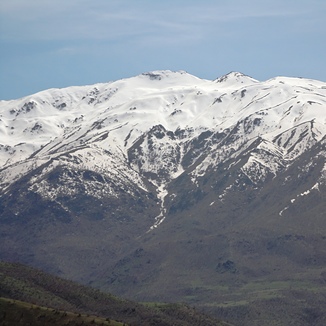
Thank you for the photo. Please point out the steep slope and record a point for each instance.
(166, 185)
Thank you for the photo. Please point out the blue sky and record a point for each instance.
(46, 43)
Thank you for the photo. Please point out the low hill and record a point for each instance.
(14, 312)
(53, 300)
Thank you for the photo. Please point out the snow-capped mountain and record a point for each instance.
(96, 169)
(138, 134)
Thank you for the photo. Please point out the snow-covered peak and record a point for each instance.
(235, 79)
(161, 74)
(161, 79)
(129, 108)
(140, 135)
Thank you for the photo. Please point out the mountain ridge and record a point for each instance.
(126, 185)
(89, 136)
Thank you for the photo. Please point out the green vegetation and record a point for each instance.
(14, 312)
(30, 296)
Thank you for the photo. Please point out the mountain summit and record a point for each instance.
(141, 180)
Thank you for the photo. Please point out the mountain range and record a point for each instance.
(168, 187)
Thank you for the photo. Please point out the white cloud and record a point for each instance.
(85, 19)
(143, 21)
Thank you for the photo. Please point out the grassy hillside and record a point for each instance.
(48, 299)
(15, 312)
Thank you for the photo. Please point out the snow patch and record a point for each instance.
(161, 194)
(282, 211)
